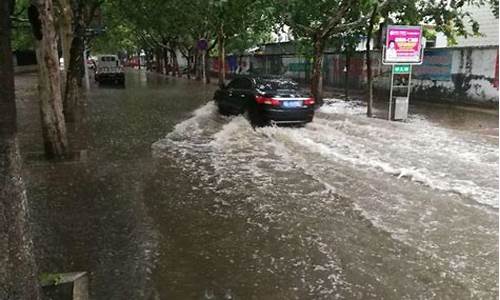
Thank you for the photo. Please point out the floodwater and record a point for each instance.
(174, 201)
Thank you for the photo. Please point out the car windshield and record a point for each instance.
(108, 58)
(277, 84)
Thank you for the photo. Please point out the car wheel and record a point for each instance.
(243, 111)
(256, 120)
(223, 111)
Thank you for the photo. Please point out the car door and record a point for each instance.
(239, 94)
(223, 97)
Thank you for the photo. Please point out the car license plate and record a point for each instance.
(292, 103)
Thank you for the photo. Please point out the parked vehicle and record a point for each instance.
(266, 100)
(90, 64)
(61, 64)
(109, 69)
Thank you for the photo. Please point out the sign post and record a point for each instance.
(403, 48)
(402, 69)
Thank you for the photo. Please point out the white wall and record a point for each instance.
(488, 26)
(475, 69)
(470, 79)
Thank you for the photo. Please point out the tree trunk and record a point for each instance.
(188, 61)
(166, 65)
(175, 63)
(197, 65)
(139, 59)
(347, 67)
(380, 33)
(7, 99)
(49, 80)
(207, 69)
(317, 72)
(369, 110)
(74, 66)
(222, 56)
(187, 57)
(66, 35)
(149, 59)
(159, 66)
(17, 268)
(204, 74)
(240, 62)
(73, 94)
(162, 61)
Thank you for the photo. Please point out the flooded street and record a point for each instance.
(171, 200)
(344, 208)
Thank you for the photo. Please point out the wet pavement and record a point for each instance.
(166, 199)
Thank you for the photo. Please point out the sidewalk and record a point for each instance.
(89, 212)
(333, 92)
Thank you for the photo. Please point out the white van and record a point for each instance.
(109, 69)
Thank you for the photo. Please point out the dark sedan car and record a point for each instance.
(267, 100)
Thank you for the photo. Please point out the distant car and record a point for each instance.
(267, 100)
(61, 64)
(109, 69)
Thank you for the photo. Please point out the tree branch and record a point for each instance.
(353, 25)
(333, 22)
(290, 22)
(146, 40)
(16, 19)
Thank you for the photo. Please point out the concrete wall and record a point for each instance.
(488, 27)
(454, 74)
(468, 74)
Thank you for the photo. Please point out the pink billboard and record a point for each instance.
(403, 44)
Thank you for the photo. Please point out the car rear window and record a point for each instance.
(274, 85)
(108, 58)
(240, 83)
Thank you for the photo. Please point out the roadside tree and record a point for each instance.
(319, 22)
(17, 267)
(74, 18)
(49, 79)
(449, 17)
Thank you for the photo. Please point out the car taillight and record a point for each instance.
(309, 101)
(266, 100)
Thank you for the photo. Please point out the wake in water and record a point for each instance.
(445, 160)
(430, 187)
